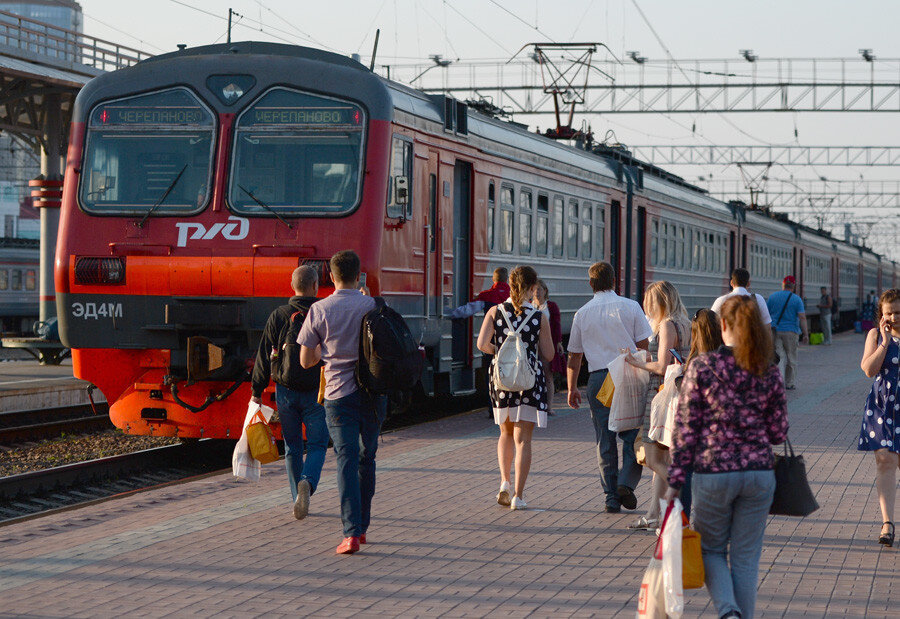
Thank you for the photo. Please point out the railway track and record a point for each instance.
(32, 425)
(38, 492)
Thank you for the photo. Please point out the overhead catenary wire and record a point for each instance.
(477, 27)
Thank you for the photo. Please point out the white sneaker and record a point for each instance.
(518, 503)
(503, 497)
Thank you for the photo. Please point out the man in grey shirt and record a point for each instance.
(331, 333)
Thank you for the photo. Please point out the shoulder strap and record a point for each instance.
(502, 310)
(527, 318)
(790, 294)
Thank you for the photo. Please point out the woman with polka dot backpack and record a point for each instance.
(881, 422)
(517, 412)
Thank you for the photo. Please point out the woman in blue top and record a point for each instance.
(881, 422)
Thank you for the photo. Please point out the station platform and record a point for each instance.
(28, 385)
(439, 543)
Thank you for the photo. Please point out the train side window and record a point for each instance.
(679, 252)
(541, 233)
(557, 224)
(507, 219)
(4, 279)
(663, 243)
(572, 230)
(525, 216)
(673, 245)
(491, 212)
(30, 280)
(399, 202)
(654, 242)
(601, 230)
(432, 216)
(15, 282)
(587, 230)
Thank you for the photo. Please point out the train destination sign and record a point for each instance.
(132, 116)
(337, 115)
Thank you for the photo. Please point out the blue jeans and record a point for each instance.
(731, 508)
(296, 408)
(607, 450)
(354, 423)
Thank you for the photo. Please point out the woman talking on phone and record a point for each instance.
(881, 421)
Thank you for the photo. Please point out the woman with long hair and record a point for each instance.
(881, 422)
(517, 412)
(671, 330)
(706, 334)
(731, 410)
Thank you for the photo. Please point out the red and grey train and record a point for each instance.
(197, 181)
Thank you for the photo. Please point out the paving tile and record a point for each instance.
(440, 546)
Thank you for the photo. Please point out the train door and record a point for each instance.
(744, 251)
(615, 236)
(801, 273)
(462, 377)
(732, 249)
(628, 249)
(641, 246)
(432, 233)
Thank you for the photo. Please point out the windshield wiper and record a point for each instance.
(165, 195)
(265, 206)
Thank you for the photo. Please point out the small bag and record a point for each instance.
(630, 398)
(640, 454)
(511, 369)
(243, 464)
(793, 496)
(261, 440)
(693, 573)
(605, 395)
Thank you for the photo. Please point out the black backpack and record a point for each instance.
(285, 358)
(389, 357)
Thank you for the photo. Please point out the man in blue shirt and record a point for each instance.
(788, 322)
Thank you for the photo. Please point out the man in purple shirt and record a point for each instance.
(331, 333)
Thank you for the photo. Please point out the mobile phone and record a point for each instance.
(677, 356)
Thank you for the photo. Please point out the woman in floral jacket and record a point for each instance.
(732, 409)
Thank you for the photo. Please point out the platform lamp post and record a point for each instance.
(46, 192)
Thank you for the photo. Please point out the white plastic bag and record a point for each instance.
(630, 398)
(671, 557)
(663, 407)
(243, 465)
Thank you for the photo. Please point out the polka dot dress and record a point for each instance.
(880, 419)
(528, 405)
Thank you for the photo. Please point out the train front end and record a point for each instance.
(195, 183)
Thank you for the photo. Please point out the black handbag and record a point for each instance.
(793, 496)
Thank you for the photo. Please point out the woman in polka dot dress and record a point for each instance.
(517, 412)
(881, 421)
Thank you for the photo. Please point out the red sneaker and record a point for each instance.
(348, 546)
(362, 538)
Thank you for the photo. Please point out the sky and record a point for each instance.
(412, 30)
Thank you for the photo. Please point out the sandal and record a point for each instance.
(645, 524)
(887, 539)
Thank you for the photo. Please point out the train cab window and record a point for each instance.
(525, 217)
(30, 280)
(301, 154)
(4, 279)
(572, 230)
(399, 200)
(587, 230)
(15, 281)
(556, 218)
(150, 151)
(599, 237)
(492, 208)
(507, 219)
(542, 231)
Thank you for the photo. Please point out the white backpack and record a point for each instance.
(511, 370)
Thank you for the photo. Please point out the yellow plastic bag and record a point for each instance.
(639, 454)
(605, 395)
(261, 440)
(692, 572)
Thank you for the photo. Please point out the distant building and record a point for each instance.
(18, 162)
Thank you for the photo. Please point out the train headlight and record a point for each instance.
(90, 270)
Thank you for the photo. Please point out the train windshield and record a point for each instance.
(146, 151)
(297, 154)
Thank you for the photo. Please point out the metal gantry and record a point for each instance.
(857, 196)
(791, 155)
(682, 86)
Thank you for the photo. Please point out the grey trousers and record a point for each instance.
(825, 319)
(786, 348)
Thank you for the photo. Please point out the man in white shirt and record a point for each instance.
(740, 280)
(603, 326)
